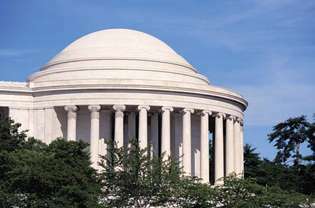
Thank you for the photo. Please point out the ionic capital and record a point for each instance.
(218, 115)
(167, 108)
(188, 110)
(71, 108)
(94, 108)
(239, 120)
(230, 117)
(119, 108)
(205, 112)
(143, 107)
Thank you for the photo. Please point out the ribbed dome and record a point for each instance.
(119, 44)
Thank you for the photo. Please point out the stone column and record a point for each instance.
(204, 146)
(94, 134)
(166, 131)
(143, 126)
(49, 125)
(72, 122)
(119, 124)
(237, 149)
(155, 134)
(241, 148)
(229, 148)
(187, 140)
(218, 150)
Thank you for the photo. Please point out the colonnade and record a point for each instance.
(228, 137)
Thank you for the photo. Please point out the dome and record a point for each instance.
(120, 44)
(126, 60)
(117, 57)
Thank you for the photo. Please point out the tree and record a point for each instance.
(248, 194)
(252, 161)
(311, 140)
(11, 138)
(33, 174)
(288, 137)
(130, 178)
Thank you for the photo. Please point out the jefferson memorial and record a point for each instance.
(123, 84)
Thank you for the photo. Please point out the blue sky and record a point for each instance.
(263, 49)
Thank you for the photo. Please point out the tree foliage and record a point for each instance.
(270, 173)
(288, 137)
(10, 137)
(33, 174)
(132, 179)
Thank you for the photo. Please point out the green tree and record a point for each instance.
(248, 194)
(311, 141)
(131, 178)
(252, 161)
(33, 175)
(11, 138)
(288, 137)
(37, 175)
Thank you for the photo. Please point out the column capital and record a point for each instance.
(119, 108)
(239, 120)
(145, 107)
(205, 112)
(230, 117)
(167, 108)
(94, 108)
(218, 115)
(71, 108)
(188, 110)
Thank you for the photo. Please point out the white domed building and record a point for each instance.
(121, 84)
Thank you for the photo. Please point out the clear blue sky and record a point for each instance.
(263, 49)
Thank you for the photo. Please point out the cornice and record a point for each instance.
(11, 86)
(102, 68)
(195, 92)
(20, 87)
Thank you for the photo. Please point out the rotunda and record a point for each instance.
(124, 84)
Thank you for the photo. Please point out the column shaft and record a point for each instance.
(229, 142)
(242, 149)
(187, 140)
(204, 147)
(49, 126)
(166, 131)
(119, 125)
(71, 122)
(218, 150)
(94, 134)
(237, 150)
(143, 126)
